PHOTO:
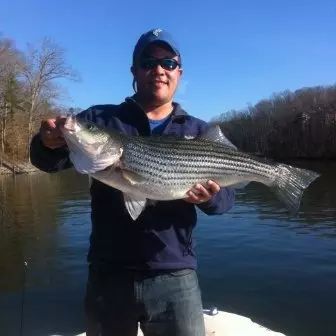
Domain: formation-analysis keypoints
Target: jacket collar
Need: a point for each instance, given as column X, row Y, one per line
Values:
column 178, row 111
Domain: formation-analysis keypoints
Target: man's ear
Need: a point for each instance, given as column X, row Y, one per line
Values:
column 133, row 70
column 181, row 71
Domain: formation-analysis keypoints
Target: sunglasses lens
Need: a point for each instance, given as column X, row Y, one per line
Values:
column 148, row 63
column 151, row 63
column 169, row 63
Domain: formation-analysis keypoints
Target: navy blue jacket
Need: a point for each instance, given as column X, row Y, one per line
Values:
column 161, row 238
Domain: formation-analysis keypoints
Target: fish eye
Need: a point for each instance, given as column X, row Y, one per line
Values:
column 91, row 127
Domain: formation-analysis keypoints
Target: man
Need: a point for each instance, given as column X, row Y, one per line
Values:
column 143, row 271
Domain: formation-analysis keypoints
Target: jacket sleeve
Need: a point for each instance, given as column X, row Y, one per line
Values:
column 46, row 159
column 224, row 200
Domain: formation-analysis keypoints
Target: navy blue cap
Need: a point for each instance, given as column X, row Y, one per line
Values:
column 154, row 35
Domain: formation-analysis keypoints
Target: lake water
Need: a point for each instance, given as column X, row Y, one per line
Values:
column 253, row 261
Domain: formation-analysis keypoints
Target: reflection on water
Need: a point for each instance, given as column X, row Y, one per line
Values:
column 254, row 260
column 29, row 226
column 318, row 205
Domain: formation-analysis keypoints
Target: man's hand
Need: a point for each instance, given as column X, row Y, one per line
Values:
column 51, row 135
column 200, row 194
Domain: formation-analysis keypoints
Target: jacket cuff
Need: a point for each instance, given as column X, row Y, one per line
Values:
column 220, row 203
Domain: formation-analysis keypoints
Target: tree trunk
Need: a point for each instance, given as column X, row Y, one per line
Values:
column 3, row 131
column 30, row 125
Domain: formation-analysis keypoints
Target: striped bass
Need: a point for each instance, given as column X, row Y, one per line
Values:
column 161, row 168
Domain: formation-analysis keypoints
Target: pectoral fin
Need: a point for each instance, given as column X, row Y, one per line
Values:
column 134, row 205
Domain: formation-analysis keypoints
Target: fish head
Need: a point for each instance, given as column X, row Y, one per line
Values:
column 91, row 147
column 85, row 134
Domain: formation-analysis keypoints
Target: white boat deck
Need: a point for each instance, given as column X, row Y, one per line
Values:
column 227, row 324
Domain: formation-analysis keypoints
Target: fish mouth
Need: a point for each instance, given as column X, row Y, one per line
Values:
column 71, row 124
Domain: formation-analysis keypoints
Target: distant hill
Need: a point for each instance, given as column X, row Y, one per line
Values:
column 299, row 124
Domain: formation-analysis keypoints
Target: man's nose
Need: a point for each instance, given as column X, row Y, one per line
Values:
column 158, row 69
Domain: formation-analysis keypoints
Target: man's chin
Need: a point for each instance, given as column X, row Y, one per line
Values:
column 159, row 97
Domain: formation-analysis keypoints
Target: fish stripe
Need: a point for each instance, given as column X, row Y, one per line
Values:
column 190, row 160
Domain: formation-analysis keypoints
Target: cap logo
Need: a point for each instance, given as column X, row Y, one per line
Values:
column 156, row 32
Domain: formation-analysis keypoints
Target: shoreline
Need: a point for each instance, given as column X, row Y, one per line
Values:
column 18, row 169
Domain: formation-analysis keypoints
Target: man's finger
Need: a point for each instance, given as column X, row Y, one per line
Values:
column 192, row 196
column 200, row 193
column 50, row 129
column 213, row 186
column 60, row 121
column 203, row 192
column 48, row 123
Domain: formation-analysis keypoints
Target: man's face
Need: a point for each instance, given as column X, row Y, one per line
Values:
column 157, row 84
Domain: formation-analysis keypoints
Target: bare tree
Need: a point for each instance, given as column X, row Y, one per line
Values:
column 10, row 67
column 300, row 124
column 29, row 89
column 44, row 66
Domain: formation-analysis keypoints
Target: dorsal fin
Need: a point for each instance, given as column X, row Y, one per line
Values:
column 214, row 133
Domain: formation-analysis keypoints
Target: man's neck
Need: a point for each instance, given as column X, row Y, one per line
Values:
column 156, row 112
column 159, row 112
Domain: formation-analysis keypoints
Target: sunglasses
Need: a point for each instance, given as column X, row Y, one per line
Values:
column 149, row 63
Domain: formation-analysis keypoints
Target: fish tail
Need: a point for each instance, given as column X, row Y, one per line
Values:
column 290, row 185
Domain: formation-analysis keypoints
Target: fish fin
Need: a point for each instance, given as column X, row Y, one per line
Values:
column 134, row 205
column 240, row 185
column 290, row 185
column 131, row 177
column 214, row 133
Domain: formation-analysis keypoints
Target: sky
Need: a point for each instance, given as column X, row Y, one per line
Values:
column 234, row 53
